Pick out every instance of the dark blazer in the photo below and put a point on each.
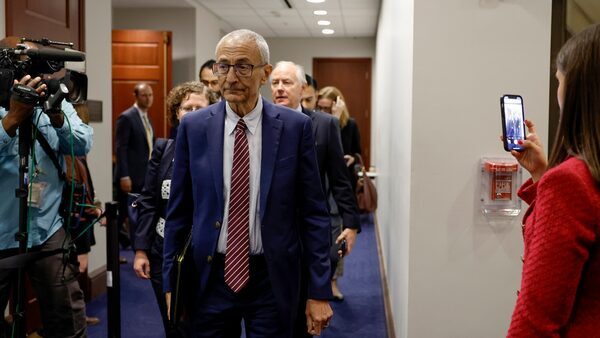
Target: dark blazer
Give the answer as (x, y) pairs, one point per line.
(330, 157)
(289, 186)
(150, 202)
(132, 148)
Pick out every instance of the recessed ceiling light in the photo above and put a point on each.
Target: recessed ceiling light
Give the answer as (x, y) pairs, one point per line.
(328, 31)
(323, 22)
(315, 1)
(320, 12)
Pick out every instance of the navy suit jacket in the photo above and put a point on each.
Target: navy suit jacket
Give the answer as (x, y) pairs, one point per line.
(132, 148)
(150, 202)
(330, 157)
(293, 211)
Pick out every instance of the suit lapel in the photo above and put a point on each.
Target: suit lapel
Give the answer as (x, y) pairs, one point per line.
(315, 125)
(138, 121)
(271, 133)
(214, 143)
(167, 154)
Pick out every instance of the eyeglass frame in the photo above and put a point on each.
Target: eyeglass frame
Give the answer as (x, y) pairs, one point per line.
(235, 68)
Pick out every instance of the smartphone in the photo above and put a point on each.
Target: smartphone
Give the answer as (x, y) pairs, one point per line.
(343, 247)
(513, 121)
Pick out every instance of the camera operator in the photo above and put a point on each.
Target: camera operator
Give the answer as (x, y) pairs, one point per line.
(54, 278)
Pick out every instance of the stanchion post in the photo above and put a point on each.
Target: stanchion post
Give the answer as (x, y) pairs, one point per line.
(113, 281)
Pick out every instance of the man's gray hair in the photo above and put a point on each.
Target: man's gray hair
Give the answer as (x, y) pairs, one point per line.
(248, 35)
(299, 70)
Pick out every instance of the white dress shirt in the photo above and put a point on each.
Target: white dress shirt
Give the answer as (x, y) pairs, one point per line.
(254, 134)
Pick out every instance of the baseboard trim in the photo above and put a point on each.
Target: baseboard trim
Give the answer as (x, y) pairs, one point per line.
(384, 284)
(97, 281)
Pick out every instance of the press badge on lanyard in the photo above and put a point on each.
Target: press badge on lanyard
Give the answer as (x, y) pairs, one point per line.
(36, 193)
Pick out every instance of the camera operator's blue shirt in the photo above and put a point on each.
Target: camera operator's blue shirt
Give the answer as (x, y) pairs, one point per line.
(45, 219)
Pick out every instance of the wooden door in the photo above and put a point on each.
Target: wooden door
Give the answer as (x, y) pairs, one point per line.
(353, 77)
(60, 20)
(141, 56)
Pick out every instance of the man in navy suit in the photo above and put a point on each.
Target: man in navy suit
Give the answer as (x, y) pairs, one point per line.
(287, 84)
(134, 140)
(246, 180)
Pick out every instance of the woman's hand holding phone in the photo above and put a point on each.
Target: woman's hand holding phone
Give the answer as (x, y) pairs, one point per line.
(337, 107)
(532, 157)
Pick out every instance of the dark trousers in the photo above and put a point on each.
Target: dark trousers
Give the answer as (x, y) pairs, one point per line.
(219, 310)
(156, 260)
(155, 256)
(61, 300)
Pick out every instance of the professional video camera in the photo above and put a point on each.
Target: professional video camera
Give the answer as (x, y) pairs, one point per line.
(48, 59)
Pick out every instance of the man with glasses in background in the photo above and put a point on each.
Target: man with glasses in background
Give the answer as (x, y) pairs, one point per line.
(246, 177)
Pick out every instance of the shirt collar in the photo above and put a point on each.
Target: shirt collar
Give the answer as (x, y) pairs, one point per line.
(252, 119)
(299, 108)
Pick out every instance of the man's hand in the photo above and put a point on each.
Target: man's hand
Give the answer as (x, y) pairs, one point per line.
(350, 236)
(125, 183)
(20, 111)
(318, 314)
(141, 264)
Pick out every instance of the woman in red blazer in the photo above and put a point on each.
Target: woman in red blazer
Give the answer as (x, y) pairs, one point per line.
(560, 286)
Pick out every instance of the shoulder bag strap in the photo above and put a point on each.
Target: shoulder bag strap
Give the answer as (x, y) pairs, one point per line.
(48, 150)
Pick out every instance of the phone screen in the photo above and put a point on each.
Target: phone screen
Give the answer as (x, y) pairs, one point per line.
(513, 121)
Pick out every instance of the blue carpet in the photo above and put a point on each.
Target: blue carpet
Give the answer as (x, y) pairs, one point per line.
(361, 314)
(140, 316)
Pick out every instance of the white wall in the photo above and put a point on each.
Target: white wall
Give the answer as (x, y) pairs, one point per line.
(303, 50)
(392, 148)
(98, 58)
(180, 21)
(208, 34)
(451, 274)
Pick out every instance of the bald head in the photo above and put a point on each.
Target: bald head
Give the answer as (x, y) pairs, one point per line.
(244, 36)
(143, 95)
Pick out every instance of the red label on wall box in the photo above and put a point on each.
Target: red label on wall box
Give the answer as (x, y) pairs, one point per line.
(501, 183)
(501, 180)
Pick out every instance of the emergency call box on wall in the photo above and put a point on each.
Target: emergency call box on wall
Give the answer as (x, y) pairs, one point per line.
(500, 180)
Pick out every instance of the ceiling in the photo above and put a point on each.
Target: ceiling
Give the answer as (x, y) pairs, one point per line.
(273, 18)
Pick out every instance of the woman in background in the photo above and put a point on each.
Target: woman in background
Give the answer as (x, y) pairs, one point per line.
(560, 293)
(331, 100)
(147, 240)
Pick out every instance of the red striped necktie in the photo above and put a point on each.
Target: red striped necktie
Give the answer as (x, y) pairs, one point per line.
(237, 270)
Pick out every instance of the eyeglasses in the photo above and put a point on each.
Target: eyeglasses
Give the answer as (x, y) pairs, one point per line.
(188, 109)
(324, 109)
(241, 69)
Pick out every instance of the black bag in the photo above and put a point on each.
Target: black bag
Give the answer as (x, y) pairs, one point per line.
(182, 282)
